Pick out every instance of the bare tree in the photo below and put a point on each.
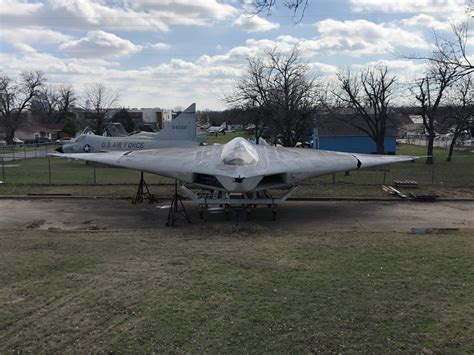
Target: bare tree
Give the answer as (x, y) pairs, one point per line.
(293, 94)
(67, 98)
(429, 92)
(53, 103)
(45, 104)
(278, 93)
(297, 6)
(369, 94)
(252, 94)
(459, 110)
(15, 97)
(98, 103)
(452, 50)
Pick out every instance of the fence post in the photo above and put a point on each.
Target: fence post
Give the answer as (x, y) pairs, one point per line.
(36, 151)
(384, 176)
(49, 170)
(334, 179)
(433, 172)
(95, 181)
(13, 152)
(3, 170)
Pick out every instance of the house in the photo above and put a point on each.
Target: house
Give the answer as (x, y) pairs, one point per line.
(336, 134)
(31, 132)
(157, 118)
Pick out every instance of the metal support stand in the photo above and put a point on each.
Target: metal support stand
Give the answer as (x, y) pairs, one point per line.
(220, 201)
(143, 192)
(177, 208)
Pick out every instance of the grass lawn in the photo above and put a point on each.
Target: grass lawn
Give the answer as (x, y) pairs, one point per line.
(235, 291)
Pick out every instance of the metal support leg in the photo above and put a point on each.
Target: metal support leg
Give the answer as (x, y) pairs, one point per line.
(177, 208)
(143, 192)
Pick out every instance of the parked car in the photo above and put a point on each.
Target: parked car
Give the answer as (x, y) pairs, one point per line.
(62, 141)
(17, 141)
(43, 140)
(39, 140)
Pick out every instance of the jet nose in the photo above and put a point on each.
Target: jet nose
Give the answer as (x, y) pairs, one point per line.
(59, 149)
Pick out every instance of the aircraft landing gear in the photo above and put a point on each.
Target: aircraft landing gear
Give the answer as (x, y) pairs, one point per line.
(143, 192)
(177, 208)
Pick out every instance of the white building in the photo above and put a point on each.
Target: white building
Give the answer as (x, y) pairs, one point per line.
(155, 117)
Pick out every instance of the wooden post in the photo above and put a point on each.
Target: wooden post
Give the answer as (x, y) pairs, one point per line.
(3, 170)
(432, 171)
(49, 170)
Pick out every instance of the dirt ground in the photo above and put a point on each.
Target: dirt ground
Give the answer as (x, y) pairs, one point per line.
(107, 214)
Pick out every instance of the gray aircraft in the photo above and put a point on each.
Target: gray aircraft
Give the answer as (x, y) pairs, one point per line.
(239, 173)
(181, 132)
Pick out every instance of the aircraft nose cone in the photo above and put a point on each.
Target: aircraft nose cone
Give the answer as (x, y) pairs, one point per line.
(59, 149)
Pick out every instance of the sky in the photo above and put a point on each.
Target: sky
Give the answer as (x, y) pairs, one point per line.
(168, 54)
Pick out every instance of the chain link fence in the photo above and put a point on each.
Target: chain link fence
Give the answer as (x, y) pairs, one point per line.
(25, 151)
(31, 165)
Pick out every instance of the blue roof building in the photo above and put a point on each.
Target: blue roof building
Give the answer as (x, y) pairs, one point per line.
(337, 134)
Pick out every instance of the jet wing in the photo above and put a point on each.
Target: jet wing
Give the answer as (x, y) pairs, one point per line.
(176, 163)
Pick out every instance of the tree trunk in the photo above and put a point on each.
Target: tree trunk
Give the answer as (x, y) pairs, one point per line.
(451, 147)
(9, 135)
(98, 126)
(380, 143)
(429, 153)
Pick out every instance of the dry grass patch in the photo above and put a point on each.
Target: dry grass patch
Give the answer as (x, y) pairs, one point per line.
(230, 289)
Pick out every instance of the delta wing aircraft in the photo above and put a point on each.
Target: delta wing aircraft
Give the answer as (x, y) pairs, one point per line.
(181, 132)
(239, 173)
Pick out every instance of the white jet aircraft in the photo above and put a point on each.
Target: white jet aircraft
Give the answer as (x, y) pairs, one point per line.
(239, 173)
(180, 132)
(217, 129)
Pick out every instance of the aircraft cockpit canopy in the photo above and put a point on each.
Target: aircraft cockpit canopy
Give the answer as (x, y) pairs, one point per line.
(239, 152)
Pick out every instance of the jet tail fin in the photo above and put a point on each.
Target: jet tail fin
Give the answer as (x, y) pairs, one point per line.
(182, 127)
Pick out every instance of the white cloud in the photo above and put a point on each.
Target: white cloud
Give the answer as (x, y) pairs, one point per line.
(441, 7)
(354, 38)
(428, 21)
(96, 14)
(361, 37)
(323, 68)
(176, 82)
(32, 35)
(185, 12)
(159, 45)
(14, 7)
(254, 24)
(405, 70)
(99, 44)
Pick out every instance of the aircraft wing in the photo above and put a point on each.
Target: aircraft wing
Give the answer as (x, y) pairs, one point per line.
(239, 165)
(177, 163)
